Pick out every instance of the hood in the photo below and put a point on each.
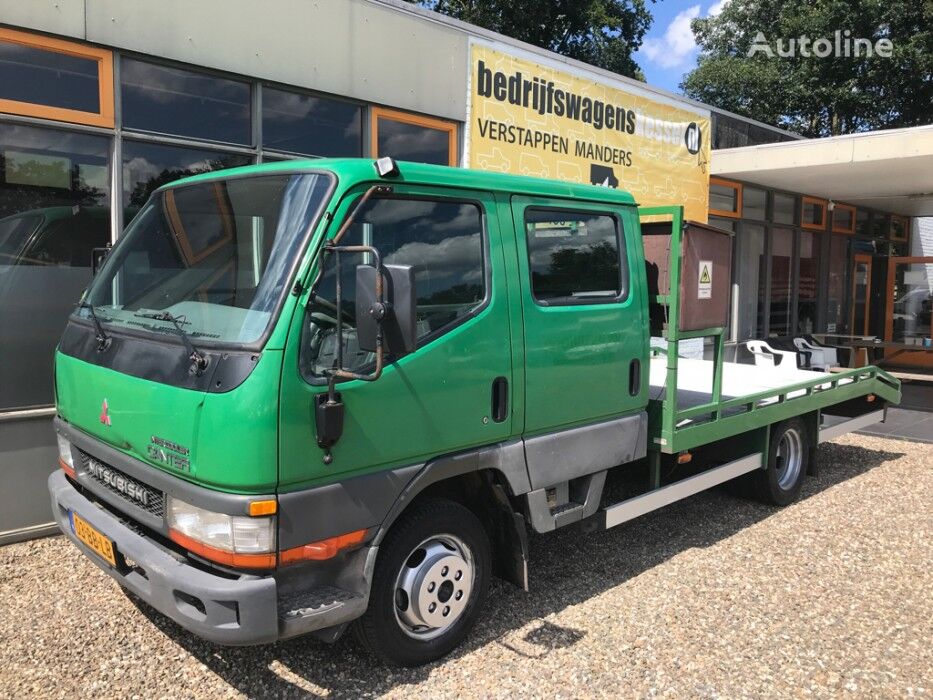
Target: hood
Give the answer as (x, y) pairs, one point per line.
(225, 440)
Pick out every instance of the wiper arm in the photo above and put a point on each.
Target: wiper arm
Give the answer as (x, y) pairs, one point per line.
(198, 360)
(103, 340)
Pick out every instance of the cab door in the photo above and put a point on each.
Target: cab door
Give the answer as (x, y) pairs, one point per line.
(441, 398)
(585, 332)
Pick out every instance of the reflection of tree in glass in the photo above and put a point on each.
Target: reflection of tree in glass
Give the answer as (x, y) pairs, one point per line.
(144, 188)
(32, 184)
(594, 268)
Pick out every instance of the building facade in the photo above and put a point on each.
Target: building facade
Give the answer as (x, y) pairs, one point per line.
(103, 101)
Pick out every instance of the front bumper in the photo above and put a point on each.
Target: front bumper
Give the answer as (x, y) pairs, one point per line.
(227, 610)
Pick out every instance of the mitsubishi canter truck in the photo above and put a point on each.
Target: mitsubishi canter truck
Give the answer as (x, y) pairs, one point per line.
(307, 396)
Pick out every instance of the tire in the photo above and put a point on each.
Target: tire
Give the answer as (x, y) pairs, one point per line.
(788, 458)
(416, 584)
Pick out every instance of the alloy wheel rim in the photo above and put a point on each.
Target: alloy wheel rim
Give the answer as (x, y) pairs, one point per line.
(433, 587)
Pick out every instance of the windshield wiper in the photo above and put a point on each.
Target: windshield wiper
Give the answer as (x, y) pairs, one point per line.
(198, 360)
(103, 340)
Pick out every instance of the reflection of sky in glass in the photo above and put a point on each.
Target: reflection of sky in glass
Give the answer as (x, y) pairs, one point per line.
(310, 125)
(175, 101)
(412, 142)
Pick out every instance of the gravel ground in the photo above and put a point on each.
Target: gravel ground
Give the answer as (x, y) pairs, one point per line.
(714, 596)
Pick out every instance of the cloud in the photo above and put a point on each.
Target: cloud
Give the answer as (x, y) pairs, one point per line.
(677, 47)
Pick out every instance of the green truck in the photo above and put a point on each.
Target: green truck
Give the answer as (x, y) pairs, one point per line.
(304, 396)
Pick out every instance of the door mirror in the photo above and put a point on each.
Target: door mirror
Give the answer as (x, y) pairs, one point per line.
(98, 256)
(396, 316)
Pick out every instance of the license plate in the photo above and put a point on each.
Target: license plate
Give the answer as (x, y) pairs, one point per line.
(93, 539)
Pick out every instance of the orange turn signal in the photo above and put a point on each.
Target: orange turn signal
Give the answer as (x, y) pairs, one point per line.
(684, 458)
(268, 507)
(870, 398)
(322, 550)
(222, 556)
(68, 470)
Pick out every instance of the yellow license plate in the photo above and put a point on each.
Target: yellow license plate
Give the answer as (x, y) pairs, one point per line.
(93, 539)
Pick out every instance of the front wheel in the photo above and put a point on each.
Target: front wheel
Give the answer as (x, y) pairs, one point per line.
(429, 583)
(788, 457)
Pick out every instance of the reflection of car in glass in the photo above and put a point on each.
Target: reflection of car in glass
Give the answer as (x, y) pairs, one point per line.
(912, 314)
(54, 236)
(45, 264)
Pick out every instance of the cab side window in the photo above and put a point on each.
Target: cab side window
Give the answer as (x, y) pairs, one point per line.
(442, 239)
(575, 257)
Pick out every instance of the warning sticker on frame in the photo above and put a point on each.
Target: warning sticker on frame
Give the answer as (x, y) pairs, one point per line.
(705, 280)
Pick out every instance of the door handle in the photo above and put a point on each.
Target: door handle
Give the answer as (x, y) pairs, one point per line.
(500, 399)
(634, 377)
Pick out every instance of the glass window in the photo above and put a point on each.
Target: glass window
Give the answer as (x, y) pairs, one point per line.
(215, 254)
(843, 218)
(441, 239)
(784, 208)
(725, 224)
(54, 210)
(410, 137)
(808, 271)
(863, 222)
(754, 203)
(574, 257)
(782, 256)
(725, 198)
(184, 103)
(912, 289)
(313, 126)
(749, 282)
(55, 79)
(148, 166)
(837, 309)
(813, 213)
(899, 228)
(880, 223)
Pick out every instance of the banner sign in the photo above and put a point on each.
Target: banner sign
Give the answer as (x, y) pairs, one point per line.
(528, 117)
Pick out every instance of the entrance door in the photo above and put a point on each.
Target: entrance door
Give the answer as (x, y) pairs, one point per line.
(440, 399)
(861, 293)
(584, 325)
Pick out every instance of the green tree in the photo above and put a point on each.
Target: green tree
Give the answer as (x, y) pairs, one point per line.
(604, 33)
(808, 94)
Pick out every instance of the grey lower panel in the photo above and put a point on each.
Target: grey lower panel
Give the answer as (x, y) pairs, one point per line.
(634, 507)
(568, 454)
(28, 454)
(833, 431)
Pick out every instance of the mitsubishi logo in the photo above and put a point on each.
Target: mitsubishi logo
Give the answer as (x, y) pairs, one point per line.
(104, 415)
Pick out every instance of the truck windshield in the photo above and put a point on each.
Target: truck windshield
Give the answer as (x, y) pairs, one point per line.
(217, 256)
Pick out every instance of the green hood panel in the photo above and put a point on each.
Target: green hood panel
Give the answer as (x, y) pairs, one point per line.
(230, 438)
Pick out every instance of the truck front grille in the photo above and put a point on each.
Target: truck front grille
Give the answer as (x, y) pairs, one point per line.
(125, 487)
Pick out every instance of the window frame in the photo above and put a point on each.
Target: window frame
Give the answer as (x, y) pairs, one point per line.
(104, 117)
(737, 188)
(851, 230)
(625, 273)
(822, 203)
(348, 204)
(377, 113)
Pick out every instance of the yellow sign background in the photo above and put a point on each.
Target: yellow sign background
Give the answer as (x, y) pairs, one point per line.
(644, 142)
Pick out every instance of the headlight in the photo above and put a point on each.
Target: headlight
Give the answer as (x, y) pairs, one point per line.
(238, 540)
(64, 453)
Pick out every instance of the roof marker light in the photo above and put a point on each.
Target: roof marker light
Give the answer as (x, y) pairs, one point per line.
(387, 167)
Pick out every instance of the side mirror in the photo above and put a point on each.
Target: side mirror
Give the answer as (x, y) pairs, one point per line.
(397, 316)
(98, 256)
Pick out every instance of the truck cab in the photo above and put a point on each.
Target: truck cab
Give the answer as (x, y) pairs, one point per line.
(302, 395)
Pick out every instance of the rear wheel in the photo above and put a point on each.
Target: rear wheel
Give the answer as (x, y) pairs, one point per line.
(788, 457)
(430, 579)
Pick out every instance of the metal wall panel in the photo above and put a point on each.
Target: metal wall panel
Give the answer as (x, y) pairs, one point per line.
(28, 456)
(352, 48)
(63, 17)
